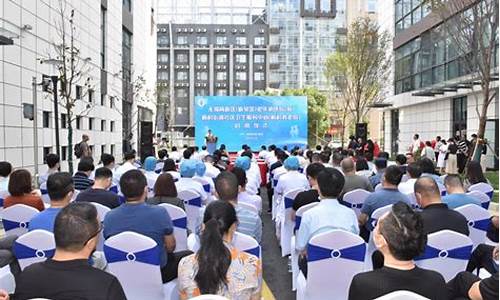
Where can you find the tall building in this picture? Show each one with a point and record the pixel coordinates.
(433, 94)
(208, 59)
(302, 34)
(30, 27)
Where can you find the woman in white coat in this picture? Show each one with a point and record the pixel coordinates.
(441, 163)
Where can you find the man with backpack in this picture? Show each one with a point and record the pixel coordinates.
(82, 149)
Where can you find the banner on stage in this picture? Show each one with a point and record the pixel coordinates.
(252, 120)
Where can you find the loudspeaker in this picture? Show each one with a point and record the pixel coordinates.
(146, 139)
(362, 131)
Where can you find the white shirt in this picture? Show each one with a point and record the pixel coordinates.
(43, 178)
(254, 200)
(263, 154)
(211, 170)
(407, 187)
(291, 180)
(184, 184)
(127, 166)
(271, 158)
(175, 156)
(253, 176)
(416, 145)
(202, 154)
(175, 175)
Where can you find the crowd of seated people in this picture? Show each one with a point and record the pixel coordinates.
(231, 193)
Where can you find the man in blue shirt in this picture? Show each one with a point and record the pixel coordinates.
(149, 220)
(60, 190)
(456, 195)
(389, 194)
(328, 214)
(380, 165)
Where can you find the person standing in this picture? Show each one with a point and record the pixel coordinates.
(415, 146)
(53, 163)
(211, 142)
(462, 154)
(451, 158)
(82, 149)
(442, 149)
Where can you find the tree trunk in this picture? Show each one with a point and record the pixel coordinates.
(70, 143)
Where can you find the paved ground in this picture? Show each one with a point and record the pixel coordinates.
(275, 267)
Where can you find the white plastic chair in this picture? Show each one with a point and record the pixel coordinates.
(151, 178)
(192, 203)
(378, 187)
(179, 219)
(478, 220)
(482, 197)
(34, 246)
(276, 199)
(377, 214)
(7, 281)
(447, 252)
(402, 295)
(482, 187)
(334, 257)
(413, 200)
(355, 199)
(246, 244)
(209, 297)
(45, 193)
(287, 225)
(16, 219)
(135, 260)
(295, 255)
(101, 214)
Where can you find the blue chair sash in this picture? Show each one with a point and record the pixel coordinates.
(288, 202)
(206, 187)
(149, 256)
(9, 224)
(372, 223)
(1, 202)
(490, 194)
(158, 171)
(44, 191)
(22, 251)
(254, 251)
(297, 223)
(180, 223)
(121, 199)
(351, 205)
(457, 253)
(480, 224)
(275, 182)
(485, 205)
(193, 202)
(114, 189)
(315, 253)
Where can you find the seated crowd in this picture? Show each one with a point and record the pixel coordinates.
(228, 191)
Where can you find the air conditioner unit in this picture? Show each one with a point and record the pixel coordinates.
(185, 30)
(242, 30)
(164, 30)
(235, 30)
(262, 31)
(191, 30)
(204, 30)
(217, 67)
(204, 67)
(179, 30)
(217, 30)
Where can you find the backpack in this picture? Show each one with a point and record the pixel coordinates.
(78, 149)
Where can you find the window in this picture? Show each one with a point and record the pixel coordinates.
(127, 4)
(162, 75)
(241, 92)
(309, 5)
(200, 92)
(325, 6)
(112, 150)
(78, 91)
(258, 76)
(64, 123)
(182, 75)
(221, 92)
(163, 58)
(201, 75)
(371, 6)
(241, 40)
(103, 37)
(201, 58)
(259, 58)
(103, 125)
(46, 151)
(78, 122)
(241, 58)
(201, 40)
(163, 41)
(241, 76)
(103, 99)
(221, 76)
(259, 41)
(111, 102)
(112, 126)
(103, 149)
(459, 116)
(221, 40)
(46, 119)
(182, 40)
(91, 123)
(221, 58)
(181, 58)
(64, 153)
(91, 96)
(181, 93)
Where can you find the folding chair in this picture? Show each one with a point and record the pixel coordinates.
(16, 218)
(193, 204)
(34, 246)
(355, 199)
(179, 219)
(478, 220)
(101, 214)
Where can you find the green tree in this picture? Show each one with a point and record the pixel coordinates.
(359, 70)
(317, 110)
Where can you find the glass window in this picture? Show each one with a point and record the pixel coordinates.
(407, 22)
(438, 74)
(241, 75)
(439, 51)
(181, 93)
(221, 40)
(406, 6)
(201, 58)
(427, 78)
(417, 14)
(452, 69)
(46, 119)
(259, 58)
(258, 76)
(202, 75)
(309, 5)
(241, 58)
(182, 75)
(127, 4)
(241, 92)
(163, 75)
(325, 6)
(221, 75)
(398, 10)
(163, 41)
(181, 58)
(182, 40)
(221, 58)
(201, 40)
(259, 41)
(241, 40)
(371, 6)
(221, 92)
(399, 26)
(163, 57)
(200, 92)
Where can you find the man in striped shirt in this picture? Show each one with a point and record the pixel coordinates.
(462, 153)
(81, 178)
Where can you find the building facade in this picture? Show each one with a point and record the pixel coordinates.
(100, 24)
(302, 34)
(206, 60)
(432, 91)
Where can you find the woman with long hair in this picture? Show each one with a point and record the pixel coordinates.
(170, 168)
(474, 174)
(165, 192)
(219, 268)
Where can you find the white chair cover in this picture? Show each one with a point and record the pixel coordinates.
(34, 246)
(378, 187)
(246, 244)
(249, 207)
(295, 255)
(447, 252)
(151, 178)
(413, 200)
(287, 225)
(135, 260)
(379, 212)
(334, 257)
(209, 297)
(478, 220)
(402, 295)
(355, 199)
(179, 219)
(482, 197)
(101, 214)
(45, 193)
(482, 187)
(276, 199)
(16, 219)
(7, 281)
(442, 189)
(3, 195)
(192, 203)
